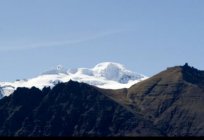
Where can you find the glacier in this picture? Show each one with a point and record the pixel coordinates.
(106, 75)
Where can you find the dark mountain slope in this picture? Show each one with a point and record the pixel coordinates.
(1, 93)
(69, 109)
(172, 99)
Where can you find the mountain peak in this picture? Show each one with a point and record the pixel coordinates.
(114, 71)
(186, 67)
(187, 73)
(192, 75)
(106, 65)
(108, 75)
(176, 75)
(110, 71)
(171, 99)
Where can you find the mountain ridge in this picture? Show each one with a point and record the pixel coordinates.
(67, 111)
(104, 75)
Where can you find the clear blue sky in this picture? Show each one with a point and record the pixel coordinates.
(145, 35)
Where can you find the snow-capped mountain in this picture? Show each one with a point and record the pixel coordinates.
(107, 75)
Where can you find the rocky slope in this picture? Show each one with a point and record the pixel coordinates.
(172, 99)
(69, 109)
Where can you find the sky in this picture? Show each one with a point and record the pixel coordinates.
(146, 36)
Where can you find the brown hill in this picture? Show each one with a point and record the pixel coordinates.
(172, 99)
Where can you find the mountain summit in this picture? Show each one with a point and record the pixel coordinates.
(115, 72)
(107, 75)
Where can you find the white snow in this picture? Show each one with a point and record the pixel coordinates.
(107, 75)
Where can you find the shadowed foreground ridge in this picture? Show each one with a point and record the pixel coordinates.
(69, 109)
(172, 99)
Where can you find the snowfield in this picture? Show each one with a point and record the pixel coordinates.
(107, 75)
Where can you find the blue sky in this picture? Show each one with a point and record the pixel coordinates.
(145, 35)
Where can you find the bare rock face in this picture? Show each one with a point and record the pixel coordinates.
(69, 109)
